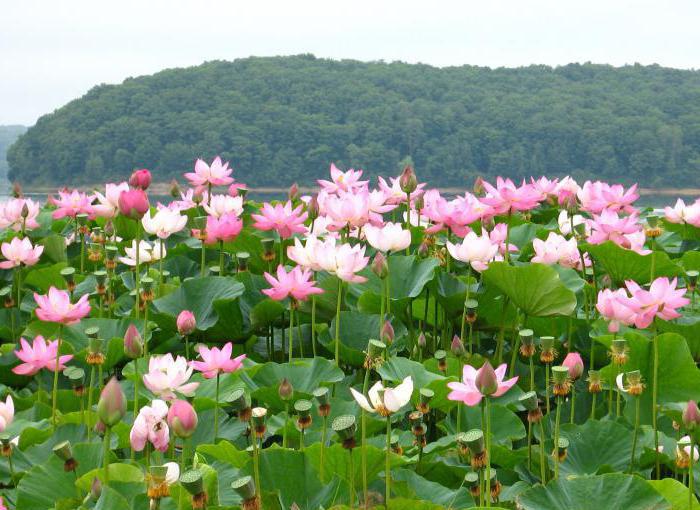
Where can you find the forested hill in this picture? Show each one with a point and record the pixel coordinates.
(284, 119)
(8, 135)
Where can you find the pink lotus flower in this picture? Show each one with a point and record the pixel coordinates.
(305, 254)
(20, 251)
(597, 196)
(182, 419)
(13, 212)
(297, 284)
(167, 376)
(616, 307)
(479, 383)
(680, 213)
(218, 174)
(498, 237)
(344, 260)
(70, 204)
(41, 354)
(506, 197)
(164, 223)
(624, 231)
(56, 307)
(151, 426)
(7, 413)
(574, 363)
(225, 228)
(108, 206)
(237, 188)
(390, 237)
(661, 300)
(566, 191)
(189, 200)
(186, 323)
(133, 203)
(558, 250)
(342, 181)
(394, 194)
(455, 214)
(140, 179)
(545, 187)
(284, 219)
(475, 250)
(215, 361)
(347, 209)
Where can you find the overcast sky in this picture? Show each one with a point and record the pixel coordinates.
(52, 51)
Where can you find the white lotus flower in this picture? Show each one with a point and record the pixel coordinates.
(475, 250)
(390, 237)
(385, 401)
(147, 253)
(164, 222)
(223, 204)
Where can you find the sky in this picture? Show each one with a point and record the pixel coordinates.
(54, 51)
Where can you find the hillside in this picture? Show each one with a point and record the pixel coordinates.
(283, 119)
(8, 135)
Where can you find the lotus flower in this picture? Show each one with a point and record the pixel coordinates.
(342, 181)
(284, 219)
(151, 426)
(216, 361)
(680, 213)
(564, 221)
(661, 300)
(163, 223)
(344, 260)
(133, 203)
(140, 179)
(455, 214)
(479, 383)
(41, 354)
(385, 401)
(305, 254)
(395, 194)
(390, 237)
(616, 307)
(347, 209)
(56, 307)
(558, 250)
(18, 213)
(182, 418)
(186, 323)
(597, 196)
(108, 206)
(567, 191)
(20, 251)
(506, 197)
(220, 205)
(225, 228)
(218, 174)
(475, 250)
(167, 376)
(70, 204)
(147, 253)
(296, 283)
(7, 413)
(574, 363)
(111, 407)
(625, 231)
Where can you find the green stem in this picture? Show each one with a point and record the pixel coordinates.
(286, 423)
(106, 455)
(136, 397)
(337, 322)
(291, 331)
(593, 399)
(464, 308)
(88, 424)
(529, 445)
(221, 258)
(137, 269)
(363, 420)
(387, 464)
(506, 255)
(543, 459)
(532, 373)
(691, 476)
(82, 253)
(256, 461)
(408, 220)
(654, 395)
(546, 386)
(54, 392)
(313, 324)
(324, 433)
(203, 260)
(488, 453)
(160, 269)
(216, 409)
(636, 431)
(556, 438)
(573, 404)
(352, 480)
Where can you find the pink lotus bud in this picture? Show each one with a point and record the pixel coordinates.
(17, 190)
(286, 390)
(140, 179)
(407, 180)
(379, 266)
(313, 208)
(387, 335)
(182, 418)
(133, 343)
(95, 489)
(111, 407)
(99, 427)
(186, 323)
(293, 192)
(133, 203)
(457, 347)
(486, 380)
(174, 189)
(574, 363)
(25, 210)
(421, 341)
(691, 416)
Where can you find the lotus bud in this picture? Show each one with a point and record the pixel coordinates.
(380, 267)
(441, 357)
(470, 307)
(193, 482)
(111, 407)
(140, 179)
(245, 488)
(303, 409)
(486, 381)
(322, 396)
(574, 363)
(387, 333)
(421, 341)
(68, 274)
(691, 416)
(457, 347)
(425, 395)
(133, 343)
(99, 427)
(182, 418)
(527, 342)
(25, 210)
(133, 203)
(312, 208)
(345, 426)
(286, 390)
(95, 489)
(407, 180)
(293, 192)
(186, 323)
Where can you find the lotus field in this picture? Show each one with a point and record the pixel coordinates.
(526, 346)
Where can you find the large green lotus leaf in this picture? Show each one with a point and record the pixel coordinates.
(691, 260)
(200, 296)
(679, 378)
(396, 369)
(686, 231)
(675, 493)
(261, 310)
(408, 276)
(110, 329)
(110, 499)
(54, 248)
(46, 484)
(41, 279)
(688, 327)
(613, 490)
(505, 424)
(613, 447)
(356, 329)
(304, 375)
(404, 504)
(536, 289)
(408, 484)
(451, 292)
(621, 264)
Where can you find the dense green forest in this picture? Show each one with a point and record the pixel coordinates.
(284, 119)
(8, 135)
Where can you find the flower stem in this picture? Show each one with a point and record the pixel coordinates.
(291, 332)
(573, 404)
(137, 269)
(363, 421)
(654, 394)
(160, 269)
(488, 453)
(221, 258)
(464, 308)
(556, 438)
(351, 479)
(593, 399)
(106, 455)
(529, 445)
(136, 397)
(543, 460)
(88, 424)
(216, 409)
(337, 322)
(256, 461)
(286, 422)
(387, 465)
(203, 261)
(324, 433)
(313, 324)
(691, 476)
(636, 431)
(546, 386)
(54, 392)
(532, 373)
